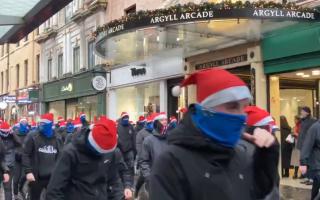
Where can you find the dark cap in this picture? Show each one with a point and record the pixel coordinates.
(306, 109)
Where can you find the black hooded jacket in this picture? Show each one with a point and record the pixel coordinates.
(193, 167)
(81, 174)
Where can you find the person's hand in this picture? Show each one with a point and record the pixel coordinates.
(303, 169)
(261, 138)
(128, 194)
(6, 178)
(30, 177)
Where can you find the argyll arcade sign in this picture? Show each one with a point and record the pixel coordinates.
(192, 16)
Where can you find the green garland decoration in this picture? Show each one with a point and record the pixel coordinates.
(190, 7)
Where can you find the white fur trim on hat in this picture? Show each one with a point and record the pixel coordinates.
(5, 130)
(97, 147)
(264, 121)
(23, 120)
(77, 125)
(227, 95)
(45, 121)
(160, 117)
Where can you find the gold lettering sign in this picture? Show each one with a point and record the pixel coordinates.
(67, 88)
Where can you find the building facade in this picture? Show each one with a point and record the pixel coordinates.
(19, 79)
(68, 63)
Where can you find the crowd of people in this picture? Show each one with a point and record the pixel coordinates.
(220, 148)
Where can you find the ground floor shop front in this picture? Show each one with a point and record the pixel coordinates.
(77, 94)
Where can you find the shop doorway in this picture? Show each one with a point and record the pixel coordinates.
(173, 102)
(299, 89)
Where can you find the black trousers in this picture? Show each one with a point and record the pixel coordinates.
(129, 160)
(19, 178)
(37, 187)
(8, 186)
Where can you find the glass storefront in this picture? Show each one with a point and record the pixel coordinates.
(138, 100)
(291, 91)
(57, 108)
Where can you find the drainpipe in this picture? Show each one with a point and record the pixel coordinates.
(8, 68)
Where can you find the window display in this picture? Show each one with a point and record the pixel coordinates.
(138, 100)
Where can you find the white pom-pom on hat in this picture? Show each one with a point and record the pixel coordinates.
(176, 91)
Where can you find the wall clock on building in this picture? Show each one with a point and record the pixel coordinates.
(99, 83)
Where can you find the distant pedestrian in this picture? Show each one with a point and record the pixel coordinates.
(19, 177)
(306, 122)
(295, 156)
(286, 147)
(41, 151)
(126, 140)
(10, 144)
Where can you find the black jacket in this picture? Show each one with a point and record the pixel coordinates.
(10, 144)
(141, 136)
(124, 172)
(193, 167)
(305, 125)
(80, 174)
(19, 140)
(152, 147)
(40, 154)
(3, 168)
(126, 138)
(310, 153)
(62, 132)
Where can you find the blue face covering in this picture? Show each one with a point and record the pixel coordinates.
(226, 129)
(141, 124)
(83, 119)
(149, 127)
(125, 121)
(70, 128)
(23, 129)
(46, 129)
(4, 134)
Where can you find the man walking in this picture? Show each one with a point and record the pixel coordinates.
(126, 141)
(202, 160)
(40, 155)
(87, 168)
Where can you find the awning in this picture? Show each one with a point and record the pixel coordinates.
(20, 17)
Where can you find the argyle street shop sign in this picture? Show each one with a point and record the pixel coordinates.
(144, 19)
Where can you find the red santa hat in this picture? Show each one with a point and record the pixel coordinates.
(182, 110)
(82, 115)
(77, 123)
(215, 87)
(124, 114)
(60, 119)
(46, 118)
(258, 117)
(23, 120)
(103, 136)
(63, 124)
(160, 116)
(173, 119)
(5, 127)
(33, 124)
(149, 118)
(142, 119)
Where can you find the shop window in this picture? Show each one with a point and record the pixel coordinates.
(38, 67)
(76, 59)
(68, 14)
(17, 75)
(131, 10)
(26, 73)
(57, 108)
(91, 56)
(2, 83)
(37, 31)
(49, 69)
(18, 43)
(138, 100)
(60, 65)
(7, 79)
(26, 38)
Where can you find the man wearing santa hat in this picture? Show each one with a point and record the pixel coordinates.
(10, 144)
(126, 140)
(40, 154)
(20, 134)
(140, 124)
(203, 159)
(86, 168)
(153, 145)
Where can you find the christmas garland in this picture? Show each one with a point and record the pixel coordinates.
(191, 7)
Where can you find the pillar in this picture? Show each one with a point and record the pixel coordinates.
(260, 85)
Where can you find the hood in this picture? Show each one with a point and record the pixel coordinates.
(80, 141)
(187, 135)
